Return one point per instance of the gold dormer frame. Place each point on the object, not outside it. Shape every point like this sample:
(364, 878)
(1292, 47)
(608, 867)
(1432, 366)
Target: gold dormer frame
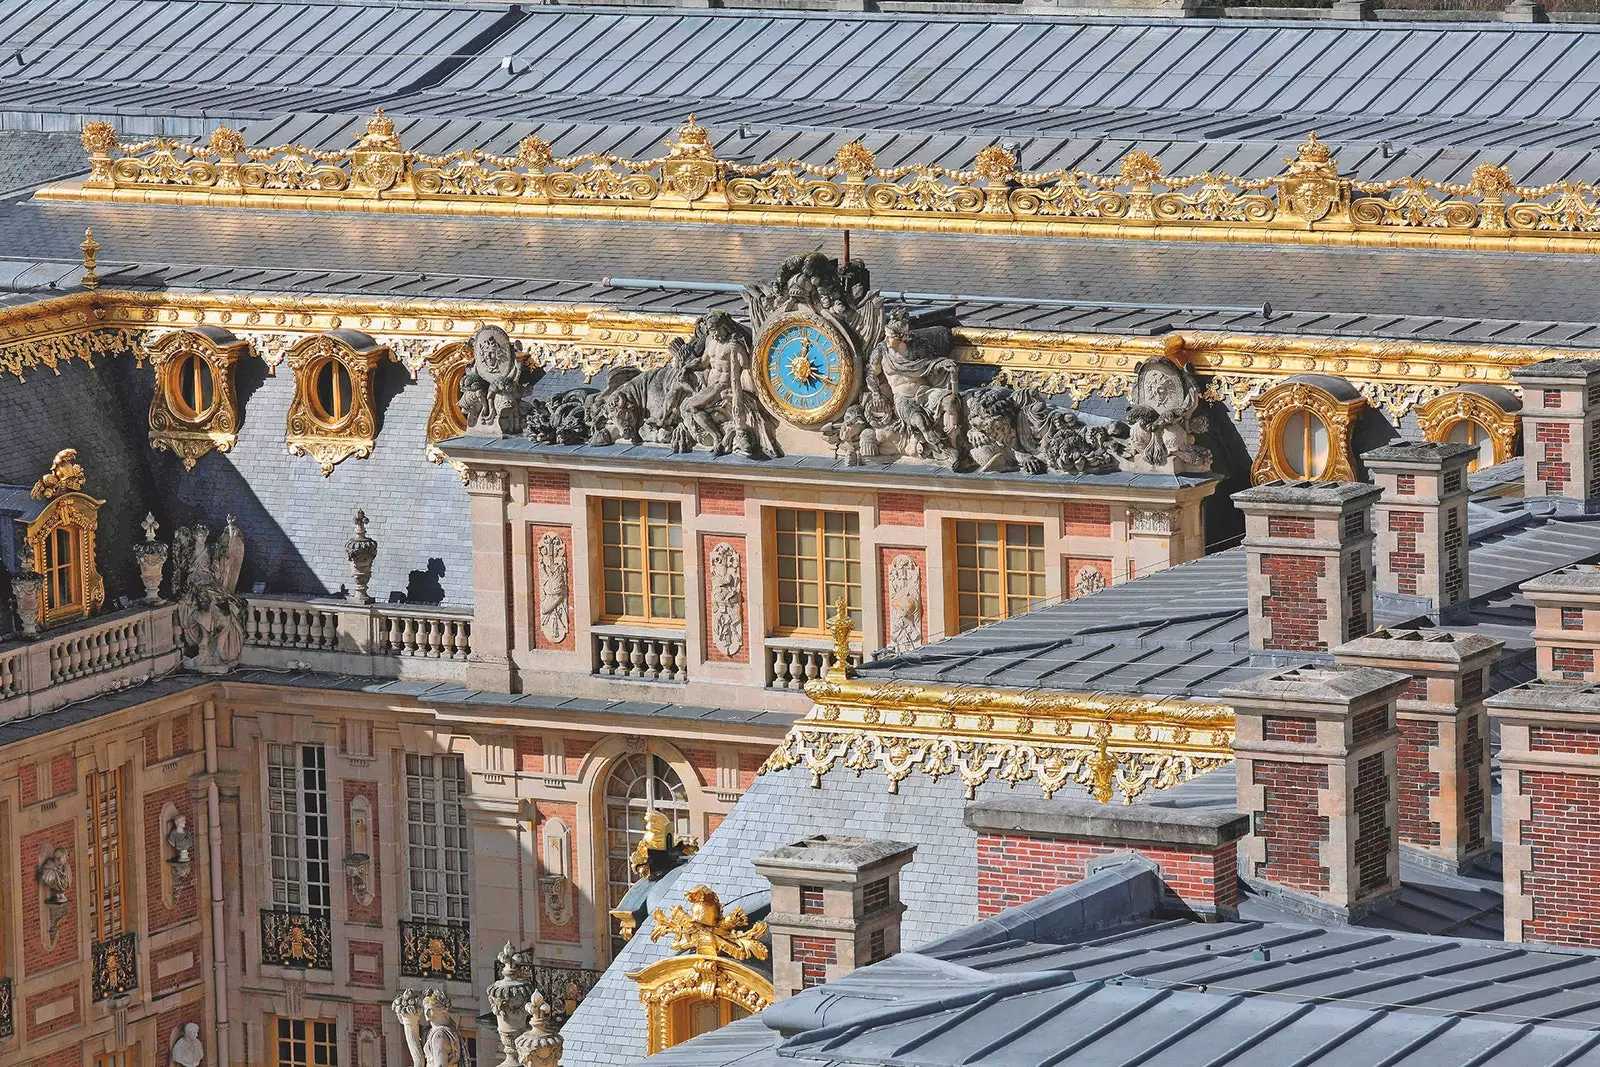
(1436, 417)
(75, 514)
(187, 432)
(312, 431)
(1274, 408)
(447, 366)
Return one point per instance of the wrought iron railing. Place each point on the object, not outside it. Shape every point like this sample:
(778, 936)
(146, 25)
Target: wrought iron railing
(115, 966)
(292, 939)
(8, 1014)
(436, 950)
(563, 988)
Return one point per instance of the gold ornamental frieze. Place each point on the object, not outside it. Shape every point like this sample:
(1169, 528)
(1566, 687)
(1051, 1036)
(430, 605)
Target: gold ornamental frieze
(1111, 746)
(1306, 202)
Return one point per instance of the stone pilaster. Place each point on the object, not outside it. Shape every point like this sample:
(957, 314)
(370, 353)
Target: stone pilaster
(1309, 546)
(1566, 626)
(1560, 441)
(489, 666)
(1443, 755)
(1421, 520)
(836, 906)
(1315, 748)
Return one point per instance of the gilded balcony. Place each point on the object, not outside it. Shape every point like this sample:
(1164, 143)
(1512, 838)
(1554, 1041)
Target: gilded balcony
(291, 939)
(115, 966)
(436, 950)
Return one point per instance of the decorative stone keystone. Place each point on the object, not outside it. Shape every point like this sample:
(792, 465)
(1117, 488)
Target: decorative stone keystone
(1566, 626)
(1315, 753)
(1443, 754)
(152, 557)
(836, 906)
(1560, 407)
(1421, 520)
(361, 550)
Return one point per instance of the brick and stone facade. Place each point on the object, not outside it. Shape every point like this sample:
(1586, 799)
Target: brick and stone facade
(836, 906)
(1566, 627)
(1029, 846)
(1560, 409)
(1316, 750)
(1420, 522)
(1442, 760)
(1309, 548)
(1550, 810)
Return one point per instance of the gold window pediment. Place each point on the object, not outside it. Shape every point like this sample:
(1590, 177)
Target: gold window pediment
(671, 988)
(61, 541)
(1494, 411)
(194, 407)
(333, 415)
(1306, 427)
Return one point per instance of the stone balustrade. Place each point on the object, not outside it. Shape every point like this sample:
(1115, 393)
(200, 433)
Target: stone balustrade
(408, 641)
(641, 654)
(792, 662)
(84, 660)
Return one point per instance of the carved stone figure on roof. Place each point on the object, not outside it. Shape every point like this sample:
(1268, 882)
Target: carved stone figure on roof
(1062, 440)
(64, 476)
(492, 387)
(210, 616)
(723, 412)
(562, 419)
(913, 389)
(1163, 423)
(635, 407)
(815, 282)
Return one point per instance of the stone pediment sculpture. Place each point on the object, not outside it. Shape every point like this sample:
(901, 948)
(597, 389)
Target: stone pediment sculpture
(210, 616)
(1163, 421)
(493, 386)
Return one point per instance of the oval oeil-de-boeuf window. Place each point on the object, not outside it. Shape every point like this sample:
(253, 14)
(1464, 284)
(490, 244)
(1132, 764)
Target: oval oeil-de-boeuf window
(332, 392)
(1303, 444)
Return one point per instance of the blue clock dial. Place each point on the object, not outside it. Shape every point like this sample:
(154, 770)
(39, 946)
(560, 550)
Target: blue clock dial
(805, 372)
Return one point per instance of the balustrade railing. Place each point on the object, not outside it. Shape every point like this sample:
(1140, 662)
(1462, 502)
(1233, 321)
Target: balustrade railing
(291, 624)
(380, 640)
(792, 662)
(95, 649)
(424, 636)
(87, 658)
(641, 655)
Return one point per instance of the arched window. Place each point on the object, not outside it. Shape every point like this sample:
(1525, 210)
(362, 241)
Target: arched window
(1306, 425)
(1486, 417)
(637, 785)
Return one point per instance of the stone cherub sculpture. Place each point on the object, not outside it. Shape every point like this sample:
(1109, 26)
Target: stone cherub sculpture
(1163, 423)
(210, 616)
(493, 386)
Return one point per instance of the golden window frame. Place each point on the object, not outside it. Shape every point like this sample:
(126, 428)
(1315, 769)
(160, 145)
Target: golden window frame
(447, 366)
(78, 513)
(1274, 408)
(332, 441)
(1003, 571)
(668, 983)
(1436, 417)
(190, 435)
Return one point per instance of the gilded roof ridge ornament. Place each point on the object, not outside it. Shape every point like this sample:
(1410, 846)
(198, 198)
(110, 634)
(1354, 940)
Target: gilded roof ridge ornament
(706, 930)
(840, 627)
(64, 476)
(91, 251)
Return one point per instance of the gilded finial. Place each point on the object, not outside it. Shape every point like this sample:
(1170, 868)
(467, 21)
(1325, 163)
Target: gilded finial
(91, 250)
(64, 476)
(841, 628)
(707, 931)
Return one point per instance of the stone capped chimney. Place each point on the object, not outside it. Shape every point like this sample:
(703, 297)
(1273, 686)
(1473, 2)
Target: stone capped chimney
(1443, 755)
(836, 906)
(1566, 622)
(1421, 520)
(1315, 751)
(1550, 810)
(1310, 563)
(1560, 441)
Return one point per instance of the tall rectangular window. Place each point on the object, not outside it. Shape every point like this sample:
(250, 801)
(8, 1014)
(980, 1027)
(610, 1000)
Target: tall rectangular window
(297, 825)
(999, 571)
(819, 561)
(106, 912)
(642, 560)
(436, 830)
(307, 1043)
(60, 569)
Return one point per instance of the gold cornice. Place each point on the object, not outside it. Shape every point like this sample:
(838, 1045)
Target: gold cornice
(1307, 201)
(1109, 744)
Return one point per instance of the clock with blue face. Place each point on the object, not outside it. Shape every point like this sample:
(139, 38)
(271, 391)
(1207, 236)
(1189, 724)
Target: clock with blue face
(805, 372)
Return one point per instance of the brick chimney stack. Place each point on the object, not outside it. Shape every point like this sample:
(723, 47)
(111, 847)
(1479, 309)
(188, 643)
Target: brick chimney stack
(1550, 810)
(1560, 409)
(1421, 520)
(1310, 563)
(1566, 626)
(1443, 756)
(836, 906)
(1315, 749)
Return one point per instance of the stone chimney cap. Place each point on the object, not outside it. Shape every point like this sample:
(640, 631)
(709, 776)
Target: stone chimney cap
(1429, 452)
(833, 852)
(1439, 646)
(1146, 824)
(1575, 697)
(1582, 578)
(1555, 369)
(1318, 685)
(1308, 493)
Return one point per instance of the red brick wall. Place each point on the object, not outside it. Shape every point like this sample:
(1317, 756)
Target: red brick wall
(1013, 870)
(1572, 662)
(1418, 785)
(1287, 526)
(549, 487)
(749, 764)
(1292, 602)
(823, 950)
(709, 544)
(370, 1017)
(1405, 562)
(36, 956)
(1086, 520)
(713, 820)
(1553, 470)
(704, 761)
(901, 509)
(71, 1056)
(568, 814)
(530, 753)
(181, 734)
(1373, 837)
(1564, 879)
(28, 783)
(1374, 722)
(721, 498)
(156, 853)
(575, 749)
(1557, 739)
(367, 974)
(172, 977)
(64, 1021)
(63, 779)
(886, 556)
(537, 533)
(1076, 564)
(1289, 825)
(1473, 753)
(1288, 728)
(358, 912)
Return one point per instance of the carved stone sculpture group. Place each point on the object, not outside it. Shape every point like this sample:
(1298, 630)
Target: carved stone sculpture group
(210, 615)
